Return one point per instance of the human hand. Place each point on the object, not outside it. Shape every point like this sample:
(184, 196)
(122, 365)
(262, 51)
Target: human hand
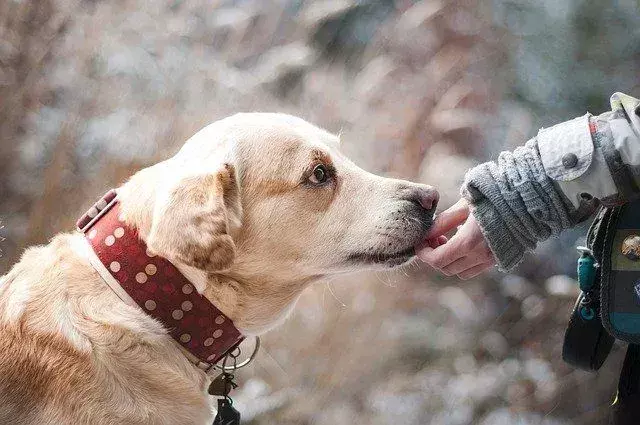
(466, 254)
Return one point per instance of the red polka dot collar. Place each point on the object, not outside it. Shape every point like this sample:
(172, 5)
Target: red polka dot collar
(155, 285)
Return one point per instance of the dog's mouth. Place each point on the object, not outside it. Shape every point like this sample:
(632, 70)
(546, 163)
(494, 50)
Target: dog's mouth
(391, 260)
(412, 235)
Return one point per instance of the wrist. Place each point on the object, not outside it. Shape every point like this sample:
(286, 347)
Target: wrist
(506, 249)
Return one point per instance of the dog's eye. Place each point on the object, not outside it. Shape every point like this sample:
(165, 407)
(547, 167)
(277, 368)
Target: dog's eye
(319, 174)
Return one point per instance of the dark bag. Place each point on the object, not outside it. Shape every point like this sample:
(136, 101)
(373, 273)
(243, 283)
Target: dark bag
(586, 342)
(620, 274)
(626, 407)
(608, 307)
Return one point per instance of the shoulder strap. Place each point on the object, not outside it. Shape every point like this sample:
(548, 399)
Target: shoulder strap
(626, 407)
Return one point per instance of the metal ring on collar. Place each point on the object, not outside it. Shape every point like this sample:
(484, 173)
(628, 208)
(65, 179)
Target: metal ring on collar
(242, 364)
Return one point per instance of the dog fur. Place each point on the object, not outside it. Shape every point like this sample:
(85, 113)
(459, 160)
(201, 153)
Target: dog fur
(238, 211)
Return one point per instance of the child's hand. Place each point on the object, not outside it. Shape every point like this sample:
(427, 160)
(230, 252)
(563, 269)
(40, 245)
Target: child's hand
(466, 254)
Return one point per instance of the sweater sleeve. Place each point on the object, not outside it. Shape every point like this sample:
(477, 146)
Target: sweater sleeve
(556, 180)
(516, 204)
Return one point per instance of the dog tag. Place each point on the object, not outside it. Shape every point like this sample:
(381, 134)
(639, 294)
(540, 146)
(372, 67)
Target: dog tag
(222, 385)
(227, 415)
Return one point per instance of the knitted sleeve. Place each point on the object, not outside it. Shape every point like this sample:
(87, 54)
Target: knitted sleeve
(557, 179)
(516, 204)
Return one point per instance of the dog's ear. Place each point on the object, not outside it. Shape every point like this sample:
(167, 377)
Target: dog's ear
(192, 225)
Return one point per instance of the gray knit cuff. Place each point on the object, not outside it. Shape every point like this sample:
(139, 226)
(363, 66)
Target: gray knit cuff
(492, 212)
(507, 251)
(516, 204)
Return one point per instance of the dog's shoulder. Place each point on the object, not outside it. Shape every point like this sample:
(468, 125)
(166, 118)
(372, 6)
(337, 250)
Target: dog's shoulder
(36, 368)
(37, 363)
(73, 352)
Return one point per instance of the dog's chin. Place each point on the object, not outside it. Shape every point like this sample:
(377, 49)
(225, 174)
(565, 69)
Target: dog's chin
(397, 257)
(384, 259)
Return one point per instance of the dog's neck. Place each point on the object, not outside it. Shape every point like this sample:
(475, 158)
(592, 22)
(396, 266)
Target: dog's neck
(254, 308)
(255, 304)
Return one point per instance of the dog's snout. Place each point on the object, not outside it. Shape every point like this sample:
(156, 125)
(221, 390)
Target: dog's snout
(425, 196)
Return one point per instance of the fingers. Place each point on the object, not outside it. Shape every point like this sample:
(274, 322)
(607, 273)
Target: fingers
(431, 244)
(460, 245)
(449, 219)
(480, 255)
(476, 270)
(443, 255)
(436, 242)
(466, 254)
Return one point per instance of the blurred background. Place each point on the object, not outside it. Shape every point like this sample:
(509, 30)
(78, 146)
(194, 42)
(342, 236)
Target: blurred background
(91, 91)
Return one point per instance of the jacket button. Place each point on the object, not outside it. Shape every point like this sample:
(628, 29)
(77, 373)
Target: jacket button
(570, 160)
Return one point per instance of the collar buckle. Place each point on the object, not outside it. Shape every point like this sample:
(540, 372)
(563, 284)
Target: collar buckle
(98, 209)
(240, 365)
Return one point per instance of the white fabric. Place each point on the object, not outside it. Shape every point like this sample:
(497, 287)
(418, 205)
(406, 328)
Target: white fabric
(570, 137)
(626, 141)
(591, 174)
(596, 181)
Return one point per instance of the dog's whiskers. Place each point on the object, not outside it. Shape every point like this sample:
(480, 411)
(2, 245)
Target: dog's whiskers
(387, 282)
(328, 285)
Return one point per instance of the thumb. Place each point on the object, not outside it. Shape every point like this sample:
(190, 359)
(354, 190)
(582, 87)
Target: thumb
(449, 219)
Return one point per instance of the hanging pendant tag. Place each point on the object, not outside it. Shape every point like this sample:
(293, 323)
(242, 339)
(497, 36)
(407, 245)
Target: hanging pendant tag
(586, 343)
(222, 385)
(227, 415)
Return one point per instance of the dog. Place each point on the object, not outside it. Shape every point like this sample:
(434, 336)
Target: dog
(252, 210)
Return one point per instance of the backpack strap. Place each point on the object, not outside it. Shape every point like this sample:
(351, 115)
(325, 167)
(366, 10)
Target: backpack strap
(586, 342)
(626, 407)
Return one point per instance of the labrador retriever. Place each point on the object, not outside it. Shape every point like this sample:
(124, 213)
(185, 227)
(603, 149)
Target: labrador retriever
(252, 210)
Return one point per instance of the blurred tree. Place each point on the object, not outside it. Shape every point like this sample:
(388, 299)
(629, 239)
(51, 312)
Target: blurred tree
(570, 56)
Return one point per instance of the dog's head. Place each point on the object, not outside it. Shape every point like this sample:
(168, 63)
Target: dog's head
(268, 202)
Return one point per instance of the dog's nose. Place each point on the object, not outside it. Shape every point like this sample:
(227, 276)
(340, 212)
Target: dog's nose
(425, 196)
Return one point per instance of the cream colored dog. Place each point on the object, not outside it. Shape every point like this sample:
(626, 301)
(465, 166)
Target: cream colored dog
(253, 209)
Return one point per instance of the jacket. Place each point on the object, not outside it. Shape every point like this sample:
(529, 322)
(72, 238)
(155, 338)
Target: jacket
(556, 180)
